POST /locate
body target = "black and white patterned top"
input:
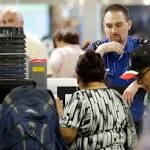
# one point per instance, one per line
(102, 118)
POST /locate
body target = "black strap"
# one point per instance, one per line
(96, 44)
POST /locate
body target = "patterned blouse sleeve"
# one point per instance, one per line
(73, 112)
(129, 128)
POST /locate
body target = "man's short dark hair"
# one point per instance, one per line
(118, 7)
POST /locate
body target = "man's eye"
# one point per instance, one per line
(119, 25)
(109, 26)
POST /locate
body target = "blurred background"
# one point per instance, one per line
(43, 17)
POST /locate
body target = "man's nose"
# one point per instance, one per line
(114, 29)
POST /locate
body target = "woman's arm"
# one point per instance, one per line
(69, 134)
(131, 136)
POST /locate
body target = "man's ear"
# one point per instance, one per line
(22, 23)
(130, 24)
(103, 25)
(78, 79)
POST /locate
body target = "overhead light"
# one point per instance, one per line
(81, 2)
(146, 2)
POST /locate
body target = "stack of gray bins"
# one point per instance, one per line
(14, 63)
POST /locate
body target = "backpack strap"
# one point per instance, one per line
(52, 101)
(27, 135)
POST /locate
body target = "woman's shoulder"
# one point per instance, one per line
(82, 91)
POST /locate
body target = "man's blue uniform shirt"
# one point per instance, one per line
(116, 65)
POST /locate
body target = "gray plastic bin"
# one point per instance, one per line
(38, 71)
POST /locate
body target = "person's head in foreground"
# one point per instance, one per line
(89, 68)
(140, 61)
(143, 78)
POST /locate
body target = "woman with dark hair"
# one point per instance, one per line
(96, 117)
(63, 58)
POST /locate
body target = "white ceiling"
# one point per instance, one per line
(86, 1)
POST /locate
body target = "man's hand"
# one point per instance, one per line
(130, 92)
(110, 47)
